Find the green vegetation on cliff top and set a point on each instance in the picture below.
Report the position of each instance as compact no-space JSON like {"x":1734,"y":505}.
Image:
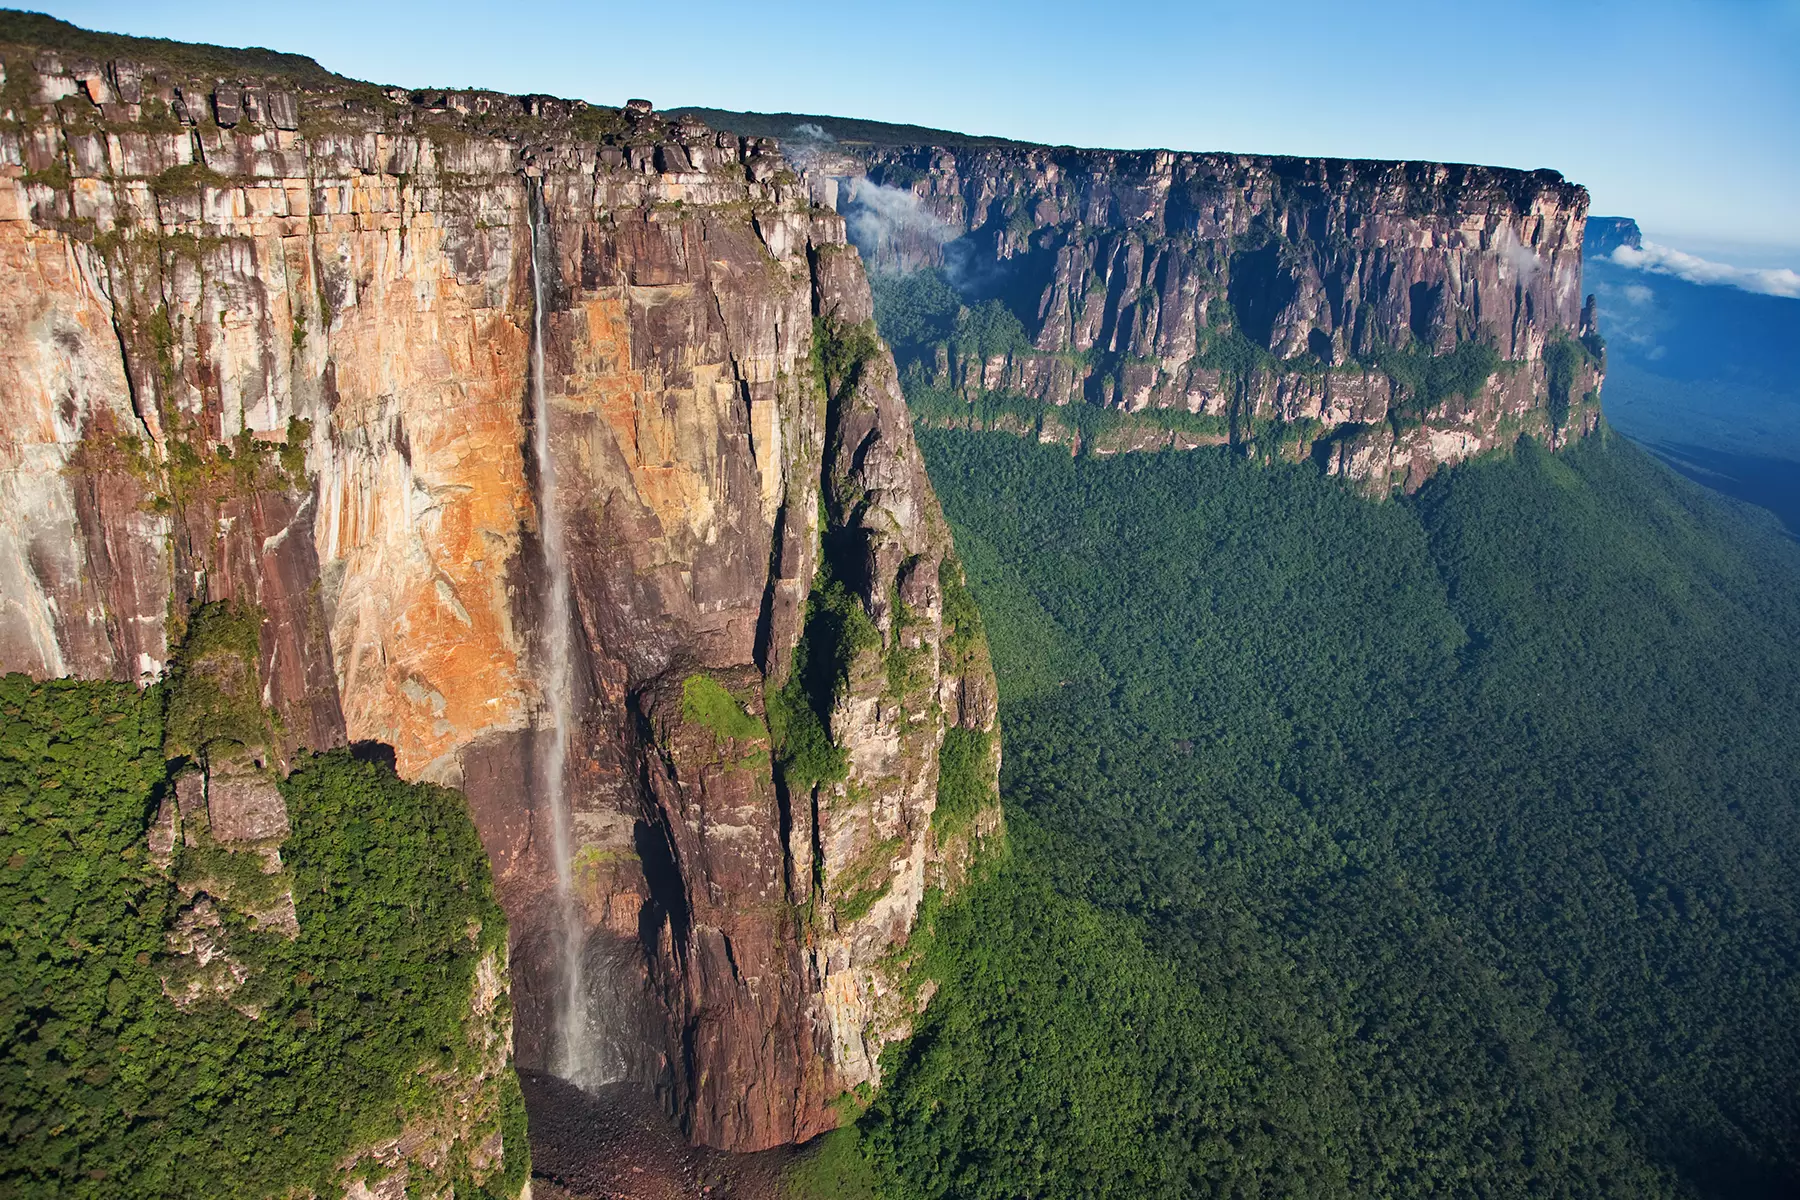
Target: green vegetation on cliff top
{"x":36,"y":29}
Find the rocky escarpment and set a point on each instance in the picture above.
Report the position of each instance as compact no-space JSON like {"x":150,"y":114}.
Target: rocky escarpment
{"x":1276,"y":302}
{"x":265,"y":336}
{"x":1606,"y":234}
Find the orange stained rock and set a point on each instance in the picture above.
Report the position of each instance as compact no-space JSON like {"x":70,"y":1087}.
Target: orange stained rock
{"x":37,"y":368}
{"x":430,"y":656}
{"x":604,"y":380}
{"x":644,"y":421}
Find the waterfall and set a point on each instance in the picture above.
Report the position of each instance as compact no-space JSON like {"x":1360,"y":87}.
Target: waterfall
{"x":573,"y":1057}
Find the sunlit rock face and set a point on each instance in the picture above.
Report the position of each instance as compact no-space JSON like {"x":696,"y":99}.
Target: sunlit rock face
{"x":1130,"y":270}
{"x":265,"y":335}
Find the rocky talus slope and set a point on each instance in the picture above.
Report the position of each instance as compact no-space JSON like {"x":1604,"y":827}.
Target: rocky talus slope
{"x":1261,"y":292}
{"x":266,"y":336}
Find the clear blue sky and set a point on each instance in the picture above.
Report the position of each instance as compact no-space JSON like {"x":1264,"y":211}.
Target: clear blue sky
{"x":1683,"y":114}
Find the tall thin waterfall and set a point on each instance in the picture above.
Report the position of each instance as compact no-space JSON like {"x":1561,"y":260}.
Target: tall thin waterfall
{"x":573,"y":1057}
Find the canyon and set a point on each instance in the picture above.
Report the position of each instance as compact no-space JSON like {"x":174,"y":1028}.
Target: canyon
{"x":268,"y":341}
{"x":555,"y":449}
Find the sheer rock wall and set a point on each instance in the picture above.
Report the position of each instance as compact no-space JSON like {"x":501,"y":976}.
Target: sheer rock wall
{"x":1129,"y":269}
{"x":216,"y":266}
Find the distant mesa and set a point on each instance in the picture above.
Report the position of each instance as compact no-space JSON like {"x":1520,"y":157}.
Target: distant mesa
{"x":1606,"y":234}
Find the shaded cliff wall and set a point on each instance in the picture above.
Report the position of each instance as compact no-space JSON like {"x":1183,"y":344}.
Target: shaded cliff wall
{"x":226,"y":269}
{"x":1252,"y":289}
{"x":1131,"y":269}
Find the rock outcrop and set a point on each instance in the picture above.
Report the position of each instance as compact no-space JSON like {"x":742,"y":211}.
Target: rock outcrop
{"x":1275,"y":296}
{"x":231,"y":820}
{"x":265,"y":337}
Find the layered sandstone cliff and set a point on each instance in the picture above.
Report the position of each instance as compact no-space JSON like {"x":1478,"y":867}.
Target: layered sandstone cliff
{"x":1273,"y":295}
{"x":266,"y":336}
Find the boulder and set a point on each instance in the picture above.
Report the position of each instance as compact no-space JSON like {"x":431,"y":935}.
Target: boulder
{"x":245,"y":808}
{"x":283,"y":110}
{"x":228,"y":104}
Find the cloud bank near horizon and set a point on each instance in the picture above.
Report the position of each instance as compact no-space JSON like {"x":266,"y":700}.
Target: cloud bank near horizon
{"x":1666,"y":260}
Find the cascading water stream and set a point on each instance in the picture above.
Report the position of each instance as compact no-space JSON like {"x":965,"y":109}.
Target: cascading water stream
{"x":573,"y":1057}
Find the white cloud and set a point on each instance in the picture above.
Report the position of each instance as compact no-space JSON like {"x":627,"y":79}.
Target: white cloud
{"x":807,"y":144}
{"x":1629,"y":315}
{"x":1664,"y":260}
{"x":1516,"y":254}
{"x":878,"y":214}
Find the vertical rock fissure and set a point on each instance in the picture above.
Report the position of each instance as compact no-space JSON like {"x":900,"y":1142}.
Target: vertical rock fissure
{"x":574,"y":1057}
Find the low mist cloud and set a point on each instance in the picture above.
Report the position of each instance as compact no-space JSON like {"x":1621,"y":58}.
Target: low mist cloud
{"x":879,"y":216}
{"x":1516,"y":254}
{"x":1665,"y":260}
{"x":805,"y":143}
{"x":1630,"y":315}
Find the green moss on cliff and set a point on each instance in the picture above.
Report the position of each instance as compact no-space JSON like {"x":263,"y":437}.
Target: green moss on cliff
{"x":1427,"y":380}
{"x":705,"y":701}
{"x":963,"y":633}
{"x":56,"y":176}
{"x":837,"y":631}
{"x":214,"y":692}
{"x":1564,"y":360}
{"x":189,"y":177}
{"x":803,"y":746}
{"x":840,"y":354}
{"x":864,"y":880}
{"x":905,"y":668}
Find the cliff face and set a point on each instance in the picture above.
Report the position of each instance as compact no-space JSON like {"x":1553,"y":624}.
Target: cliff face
{"x":1606,"y":234}
{"x":1250,"y":289}
{"x":266,"y":335}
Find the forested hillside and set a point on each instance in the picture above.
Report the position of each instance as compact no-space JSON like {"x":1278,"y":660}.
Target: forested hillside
{"x":193,"y":1016}
{"x":1439,"y":847}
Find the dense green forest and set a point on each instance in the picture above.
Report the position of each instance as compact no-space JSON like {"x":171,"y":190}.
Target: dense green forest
{"x":331,"y":1039}
{"x":1446,"y":846}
